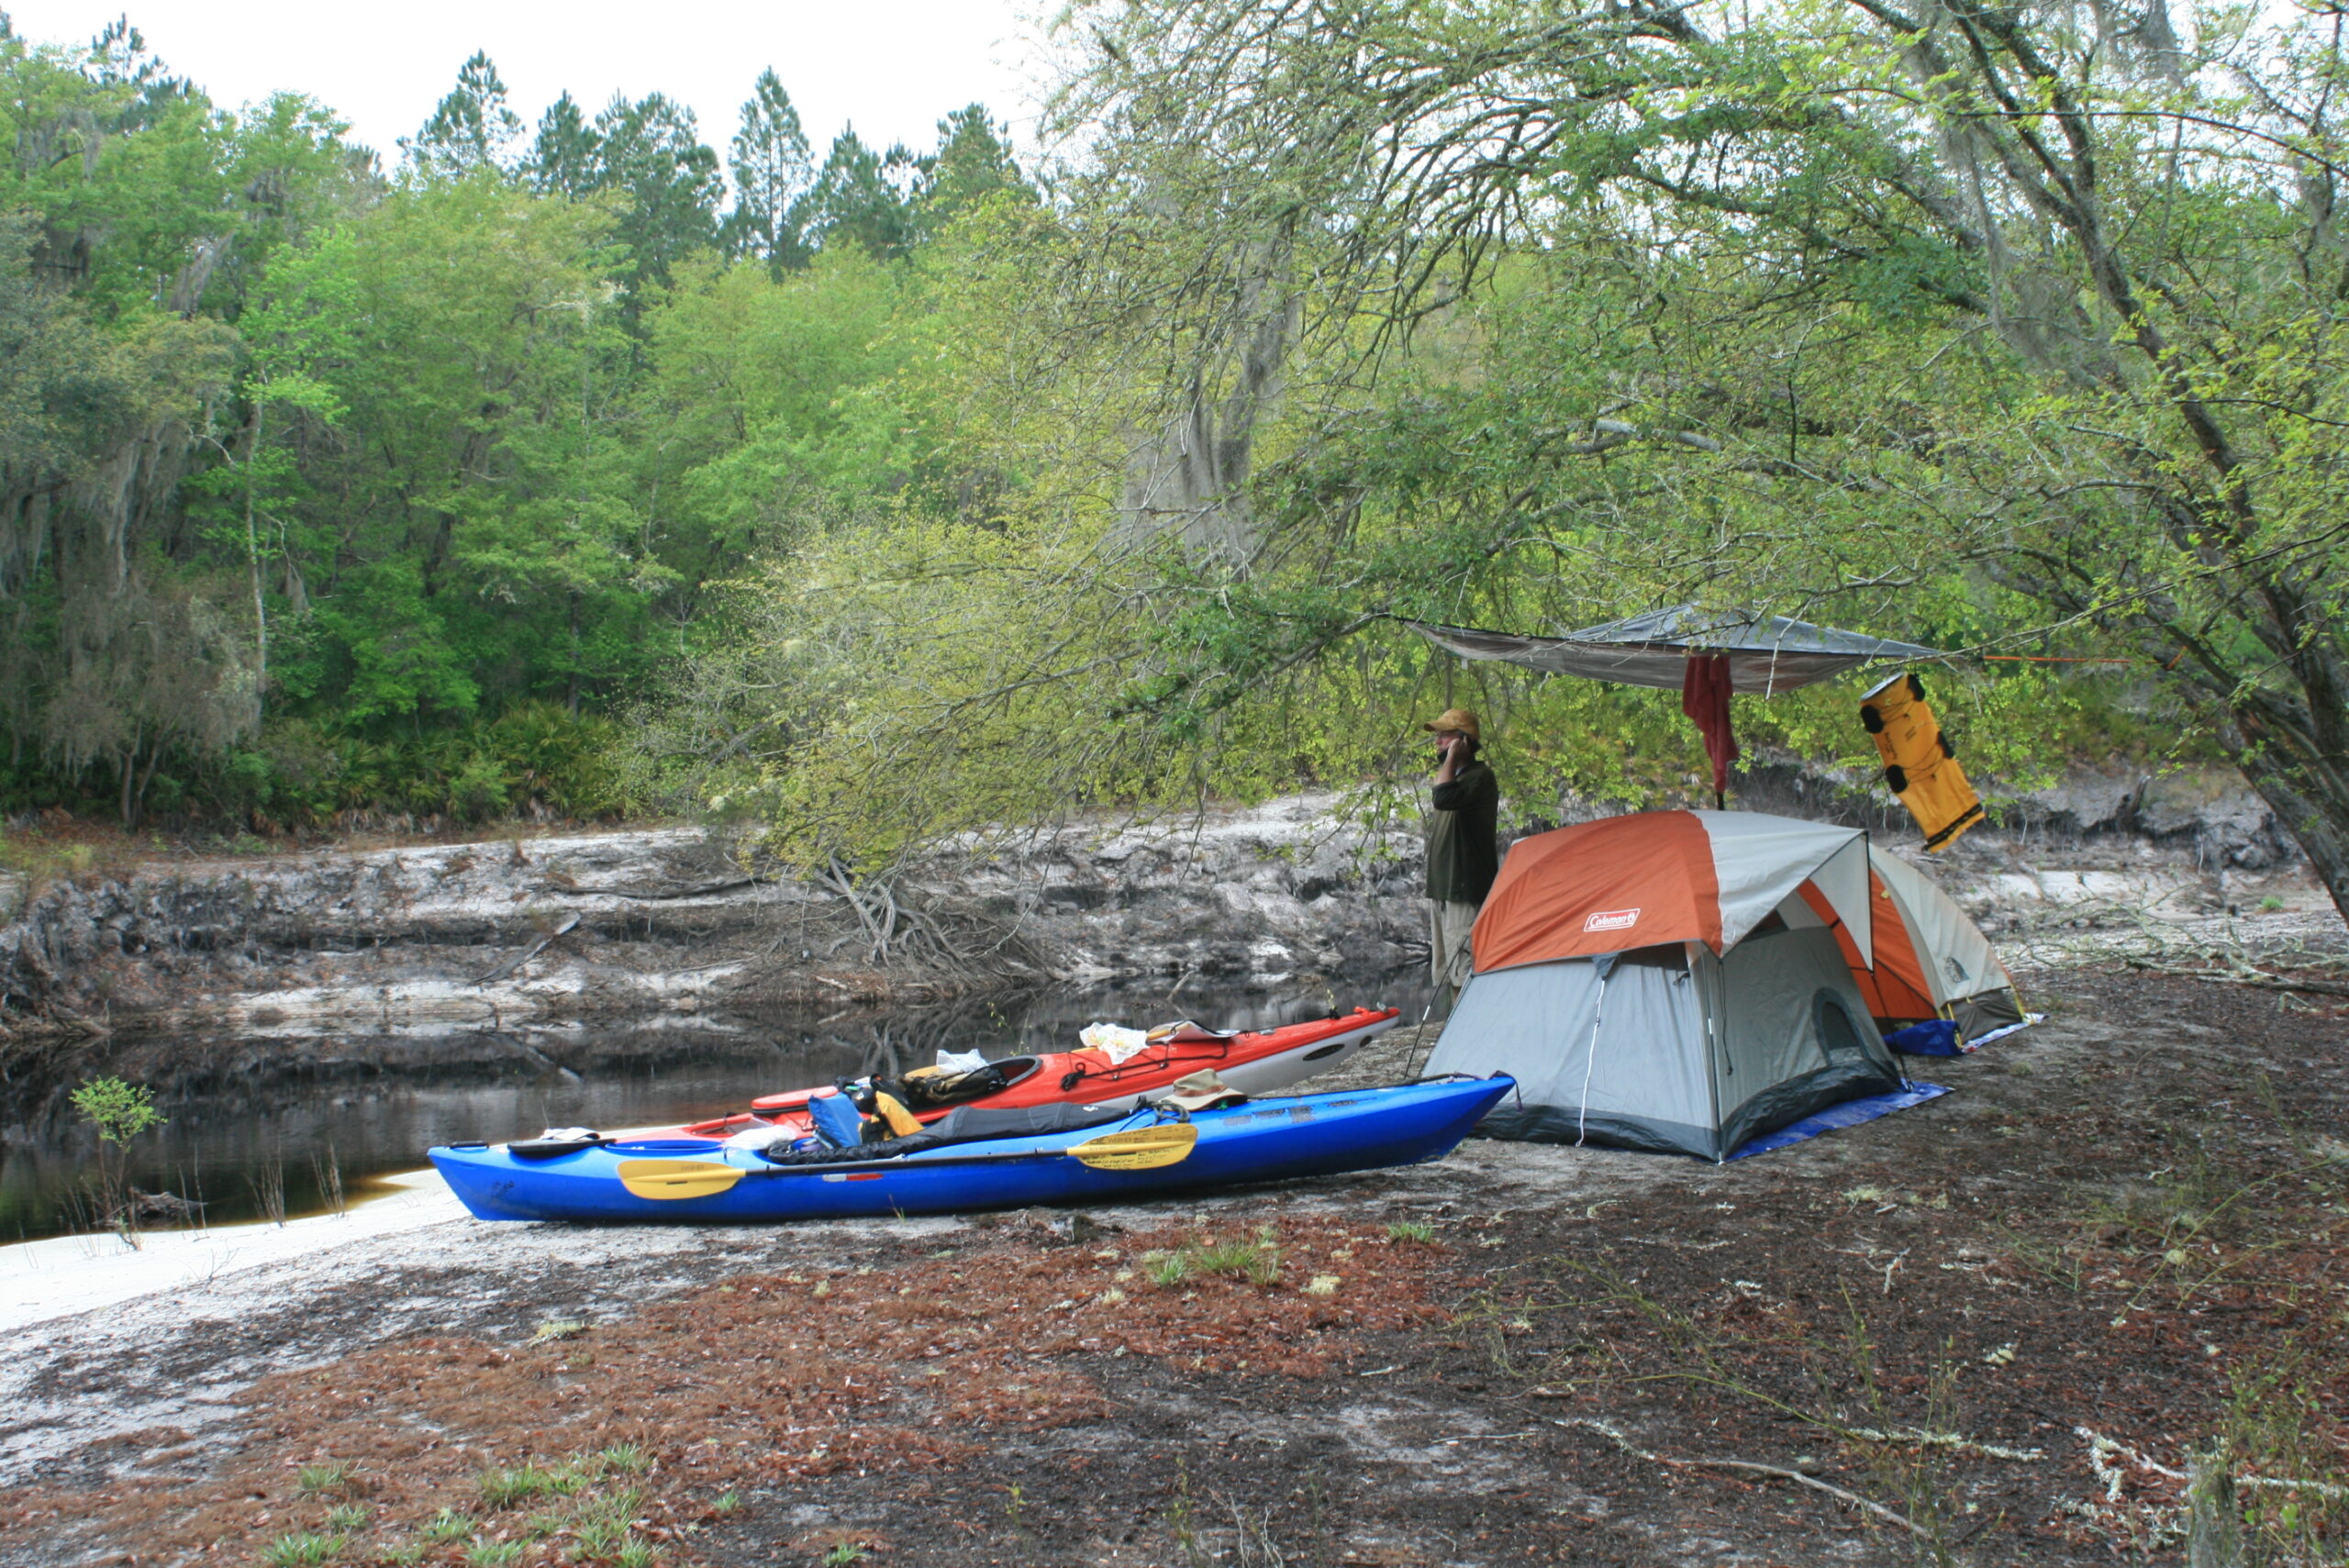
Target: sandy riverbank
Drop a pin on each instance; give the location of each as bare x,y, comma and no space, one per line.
1998,1267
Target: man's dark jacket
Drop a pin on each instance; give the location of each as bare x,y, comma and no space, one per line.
1463,844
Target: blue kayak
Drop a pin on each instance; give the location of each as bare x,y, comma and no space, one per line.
695,1180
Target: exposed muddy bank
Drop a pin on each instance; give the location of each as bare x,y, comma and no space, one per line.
680,922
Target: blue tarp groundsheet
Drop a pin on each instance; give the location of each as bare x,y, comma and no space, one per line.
1849,1113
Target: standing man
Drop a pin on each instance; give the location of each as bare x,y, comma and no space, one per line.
1463,849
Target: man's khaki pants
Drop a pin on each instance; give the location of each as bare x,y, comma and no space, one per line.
1449,957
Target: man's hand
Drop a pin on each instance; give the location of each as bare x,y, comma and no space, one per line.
1447,742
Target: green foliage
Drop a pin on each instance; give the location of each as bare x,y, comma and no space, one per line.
119,1111
769,161
1794,310
409,460
652,151
855,200
471,129
900,502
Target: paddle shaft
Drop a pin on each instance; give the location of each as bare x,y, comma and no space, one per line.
908,1162
1137,1148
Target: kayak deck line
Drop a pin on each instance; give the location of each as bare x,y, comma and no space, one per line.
1252,1062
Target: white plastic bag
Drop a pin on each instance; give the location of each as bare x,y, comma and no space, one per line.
1119,1042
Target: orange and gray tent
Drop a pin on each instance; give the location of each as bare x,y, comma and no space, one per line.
1664,981
1929,960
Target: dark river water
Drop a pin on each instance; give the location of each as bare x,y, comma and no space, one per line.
264,1128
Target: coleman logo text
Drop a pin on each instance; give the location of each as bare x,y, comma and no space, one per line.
1612,920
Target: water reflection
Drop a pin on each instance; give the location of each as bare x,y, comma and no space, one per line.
258,1129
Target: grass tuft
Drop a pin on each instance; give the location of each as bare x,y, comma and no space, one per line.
323,1480
520,1484
302,1549
1254,1258
628,1459
448,1525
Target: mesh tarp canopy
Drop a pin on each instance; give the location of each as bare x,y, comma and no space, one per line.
1767,653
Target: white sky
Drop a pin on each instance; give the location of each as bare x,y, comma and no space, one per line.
893,68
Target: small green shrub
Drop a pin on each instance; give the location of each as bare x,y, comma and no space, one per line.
119,1111
1410,1230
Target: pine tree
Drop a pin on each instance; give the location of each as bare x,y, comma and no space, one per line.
563,161
653,150
471,129
973,162
772,170
859,199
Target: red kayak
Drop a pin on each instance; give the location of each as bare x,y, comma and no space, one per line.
1252,1062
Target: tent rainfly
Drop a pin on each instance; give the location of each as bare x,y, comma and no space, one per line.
1929,960
1663,981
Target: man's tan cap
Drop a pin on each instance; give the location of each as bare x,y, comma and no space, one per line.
1458,719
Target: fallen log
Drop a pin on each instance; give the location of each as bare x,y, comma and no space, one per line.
570,923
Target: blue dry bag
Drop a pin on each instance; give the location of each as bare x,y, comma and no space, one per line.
1934,1036
837,1120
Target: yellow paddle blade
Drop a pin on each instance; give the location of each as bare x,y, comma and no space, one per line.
677,1178
1143,1148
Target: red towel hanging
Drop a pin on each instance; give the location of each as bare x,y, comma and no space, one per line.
1704,696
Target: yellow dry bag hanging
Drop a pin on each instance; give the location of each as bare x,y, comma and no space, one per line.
1918,761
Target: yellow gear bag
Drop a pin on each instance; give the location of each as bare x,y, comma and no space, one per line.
1919,761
